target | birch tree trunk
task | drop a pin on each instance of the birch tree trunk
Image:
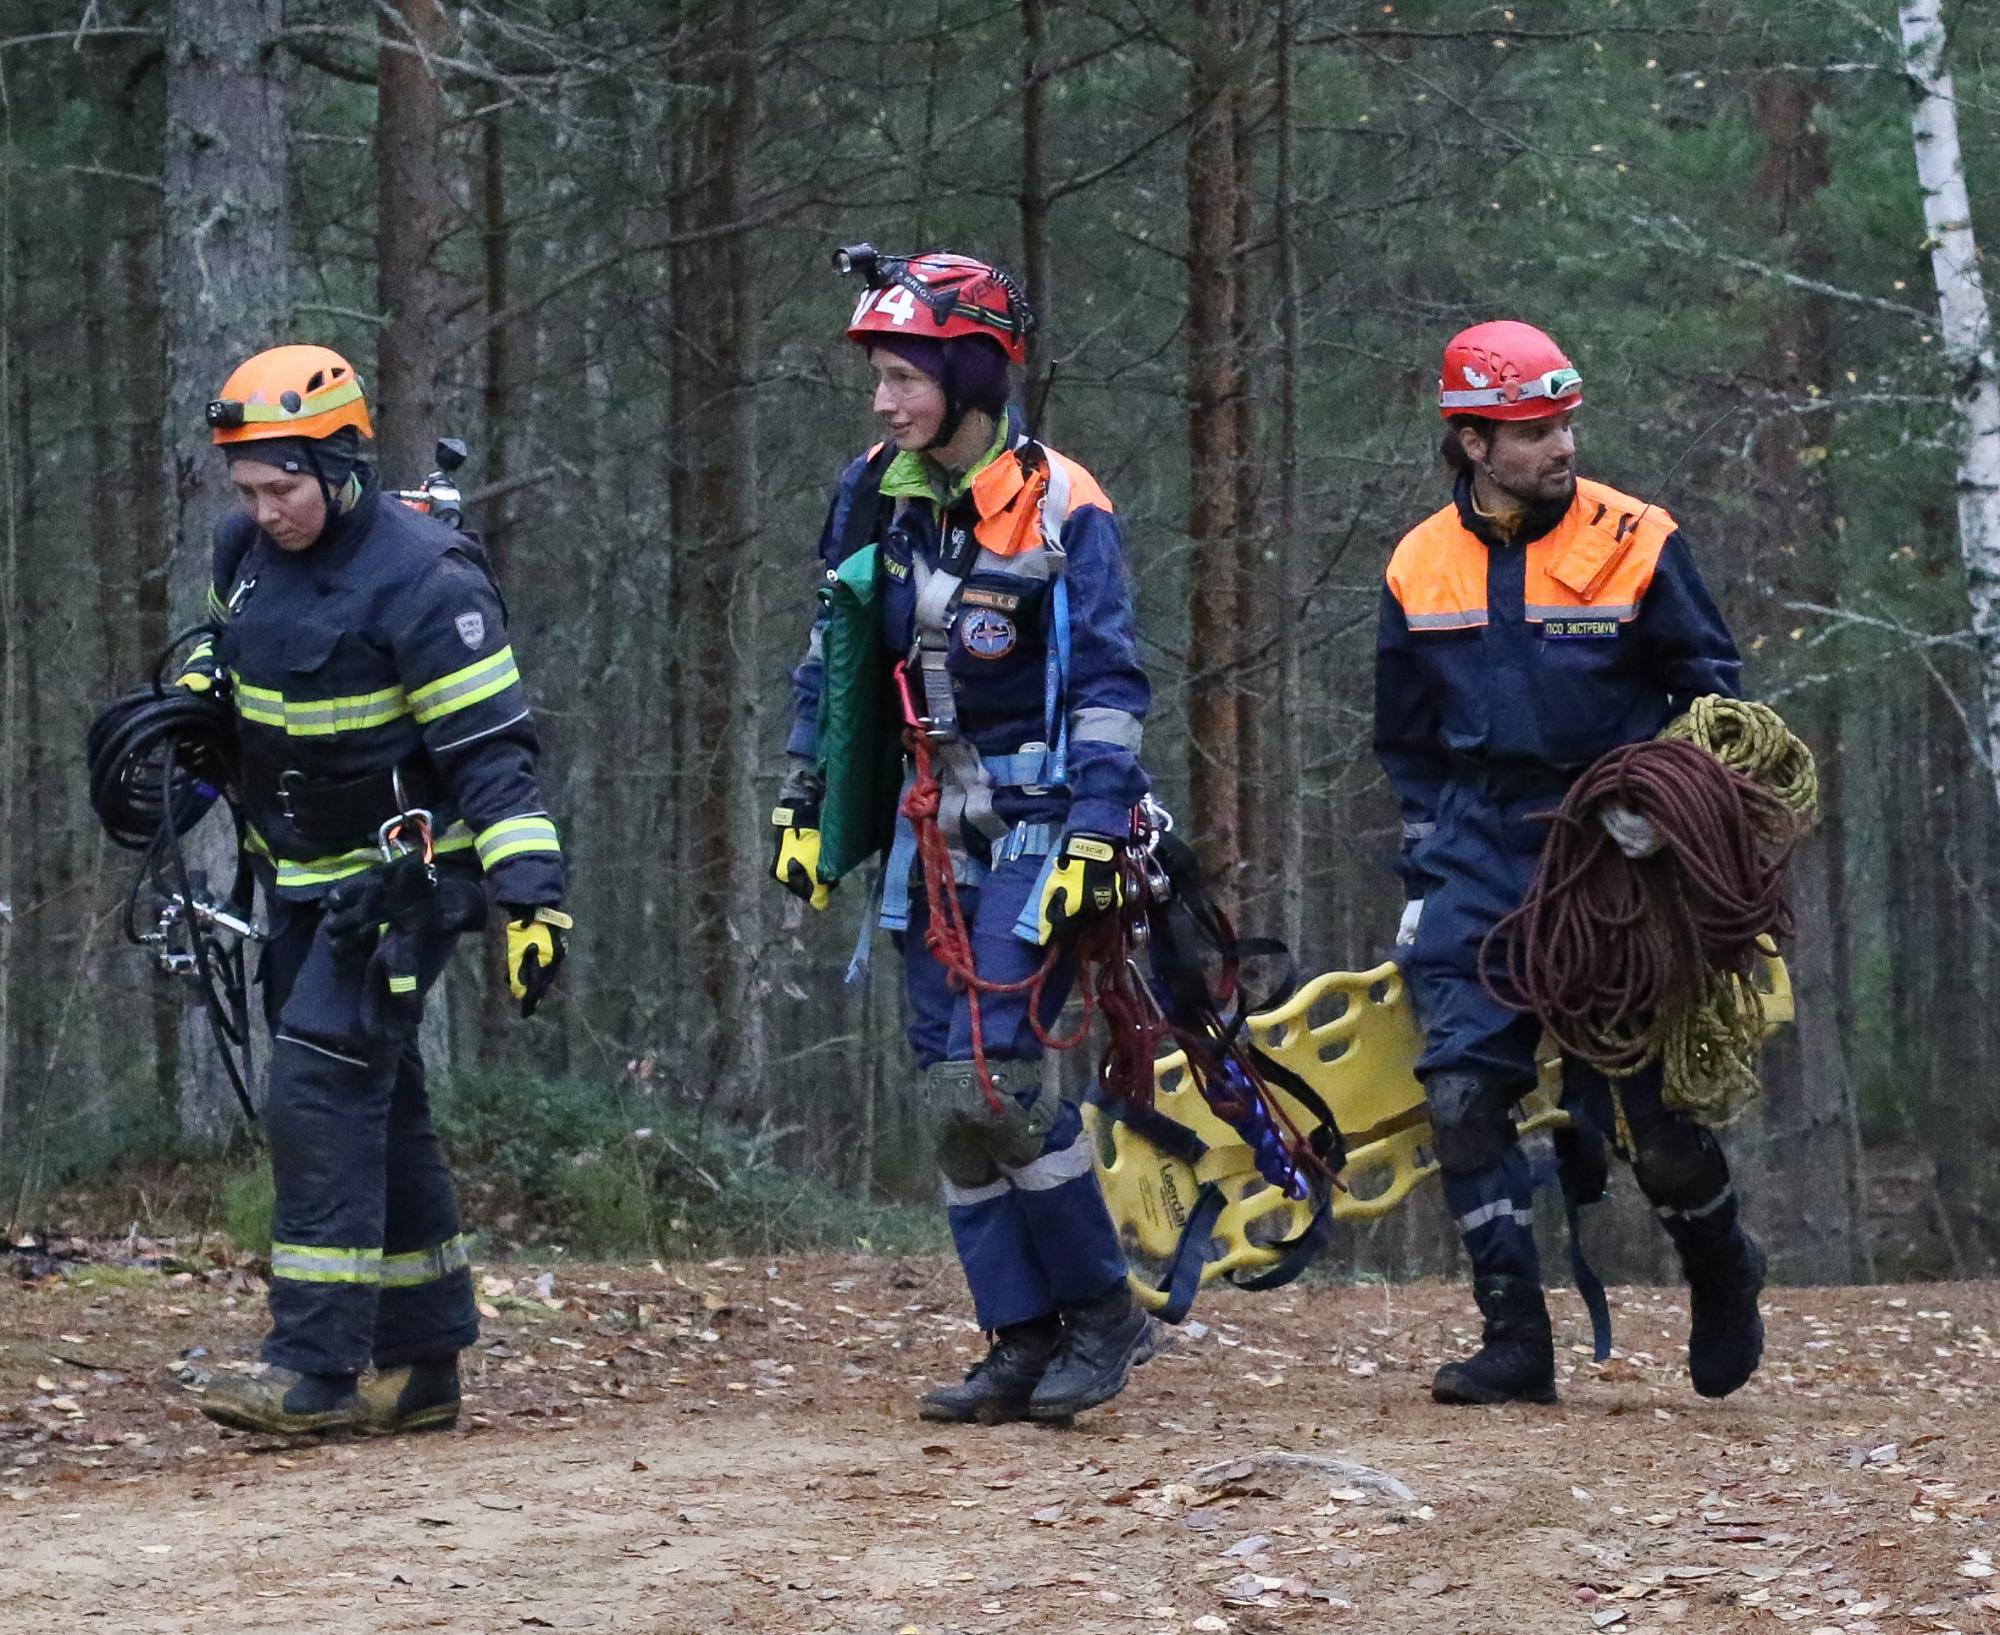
(223, 265)
(1966, 327)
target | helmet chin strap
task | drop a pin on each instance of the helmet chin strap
(954, 417)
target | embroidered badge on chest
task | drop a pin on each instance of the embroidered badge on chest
(986, 634)
(1558, 630)
(471, 629)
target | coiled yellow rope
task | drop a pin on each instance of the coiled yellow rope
(1708, 1050)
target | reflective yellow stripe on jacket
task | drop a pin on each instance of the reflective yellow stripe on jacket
(323, 871)
(320, 717)
(510, 837)
(463, 688)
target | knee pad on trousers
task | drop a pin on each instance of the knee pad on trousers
(974, 1140)
(1679, 1163)
(1472, 1123)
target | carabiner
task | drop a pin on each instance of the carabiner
(389, 838)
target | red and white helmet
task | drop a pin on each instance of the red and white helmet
(937, 295)
(1506, 370)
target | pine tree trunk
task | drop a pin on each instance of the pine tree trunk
(223, 260)
(1816, 1233)
(1214, 592)
(495, 1000)
(410, 220)
(1034, 206)
(1249, 678)
(1292, 567)
(715, 529)
(1966, 328)
(12, 439)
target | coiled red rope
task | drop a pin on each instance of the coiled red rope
(1606, 950)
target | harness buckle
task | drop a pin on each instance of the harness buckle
(389, 839)
(289, 783)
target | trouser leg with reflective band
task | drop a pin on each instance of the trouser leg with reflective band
(1026, 1215)
(1489, 1185)
(1479, 1056)
(364, 1204)
(1681, 1168)
(426, 1309)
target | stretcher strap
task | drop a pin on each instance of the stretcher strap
(1590, 1286)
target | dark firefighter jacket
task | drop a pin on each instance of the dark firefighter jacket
(1519, 663)
(382, 648)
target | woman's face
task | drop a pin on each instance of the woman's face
(287, 505)
(908, 402)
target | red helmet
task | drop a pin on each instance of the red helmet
(1505, 370)
(936, 295)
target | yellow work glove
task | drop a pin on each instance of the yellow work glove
(537, 941)
(1086, 880)
(795, 854)
(199, 671)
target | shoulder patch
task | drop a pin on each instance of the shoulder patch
(471, 628)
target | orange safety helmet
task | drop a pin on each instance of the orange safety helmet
(1506, 370)
(289, 391)
(937, 295)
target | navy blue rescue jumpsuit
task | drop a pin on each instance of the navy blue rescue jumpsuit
(1504, 667)
(369, 671)
(1040, 654)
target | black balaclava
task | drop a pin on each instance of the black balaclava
(332, 460)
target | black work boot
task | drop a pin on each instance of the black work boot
(1103, 1340)
(280, 1401)
(418, 1396)
(1725, 1331)
(1517, 1362)
(1000, 1384)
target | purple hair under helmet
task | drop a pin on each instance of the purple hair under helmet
(971, 369)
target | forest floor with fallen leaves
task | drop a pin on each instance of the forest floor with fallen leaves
(733, 1446)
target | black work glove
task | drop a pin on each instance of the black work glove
(390, 913)
(362, 906)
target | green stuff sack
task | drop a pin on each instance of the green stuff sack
(860, 744)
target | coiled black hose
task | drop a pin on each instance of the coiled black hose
(159, 758)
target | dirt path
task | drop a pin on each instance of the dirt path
(732, 1447)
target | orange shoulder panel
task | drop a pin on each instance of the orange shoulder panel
(1438, 574)
(1009, 503)
(1602, 556)
(1083, 488)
